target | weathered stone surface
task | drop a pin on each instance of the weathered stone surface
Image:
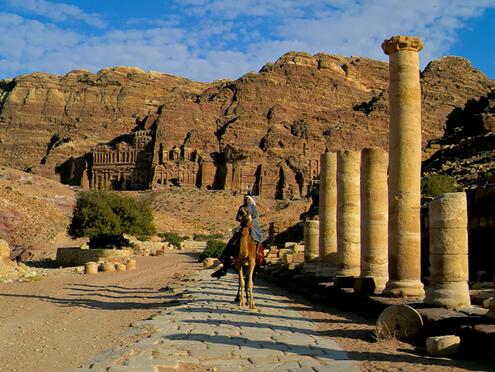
(348, 213)
(404, 167)
(328, 208)
(265, 127)
(448, 252)
(443, 345)
(374, 216)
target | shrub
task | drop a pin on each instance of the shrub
(171, 238)
(437, 184)
(214, 249)
(105, 217)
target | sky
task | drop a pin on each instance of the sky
(207, 40)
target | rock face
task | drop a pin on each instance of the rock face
(263, 132)
(467, 150)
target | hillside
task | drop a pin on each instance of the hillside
(34, 211)
(278, 120)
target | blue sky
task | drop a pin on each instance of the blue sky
(214, 39)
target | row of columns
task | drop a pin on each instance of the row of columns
(369, 221)
(357, 224)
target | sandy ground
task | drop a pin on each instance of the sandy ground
(60, 322)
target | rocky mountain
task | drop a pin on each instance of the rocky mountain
(466, 152)
(264, 130)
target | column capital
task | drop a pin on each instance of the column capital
(401, 42)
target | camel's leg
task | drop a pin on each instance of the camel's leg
(241, 287)
(250, 285)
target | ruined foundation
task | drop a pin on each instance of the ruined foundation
(448, 252)
(348, 213)
(404, 167)
(374, 219)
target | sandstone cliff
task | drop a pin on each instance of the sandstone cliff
(284, 115)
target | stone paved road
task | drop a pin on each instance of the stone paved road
(205, 330)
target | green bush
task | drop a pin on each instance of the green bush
(437, 184)
(171, 238)
(105, 217)
(214, 249)
(205, 237)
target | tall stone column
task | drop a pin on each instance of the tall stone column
(311, 232)
(374, 217)
(328, 214)
(404, 245)
(448, 252)
(348, 213)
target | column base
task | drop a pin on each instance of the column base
(354, 272)
(325, 269)
(310, 268)
(404, 288)
(454, 294)
(370, 285)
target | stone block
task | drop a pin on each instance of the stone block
(298, 257)
(288, 258)
(78, 256)
(443, 345)
(283, 251)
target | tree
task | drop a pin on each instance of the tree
(105, 217)
(437, 184)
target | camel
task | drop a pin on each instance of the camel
(246, 259)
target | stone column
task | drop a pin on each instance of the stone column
(348, 213)
(448, 252)
(404, 246)
(374, 217)
(328, 214)
(311, 250)
(311, 232)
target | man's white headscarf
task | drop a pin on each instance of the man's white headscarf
(250, 198)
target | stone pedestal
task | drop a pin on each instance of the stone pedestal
(374, 218)
(311, 249)
(404, 167)
(348, 213)
(328, 215)
(448, 252)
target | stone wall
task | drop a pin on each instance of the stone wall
(78, 256)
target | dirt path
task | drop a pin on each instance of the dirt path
(58, 323)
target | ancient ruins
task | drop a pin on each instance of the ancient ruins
(372, 217)
(142, 160)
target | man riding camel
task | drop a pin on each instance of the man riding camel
(249, 206)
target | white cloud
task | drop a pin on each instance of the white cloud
(57, 12)
(211, 39)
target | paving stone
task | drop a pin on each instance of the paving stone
(212, 331)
